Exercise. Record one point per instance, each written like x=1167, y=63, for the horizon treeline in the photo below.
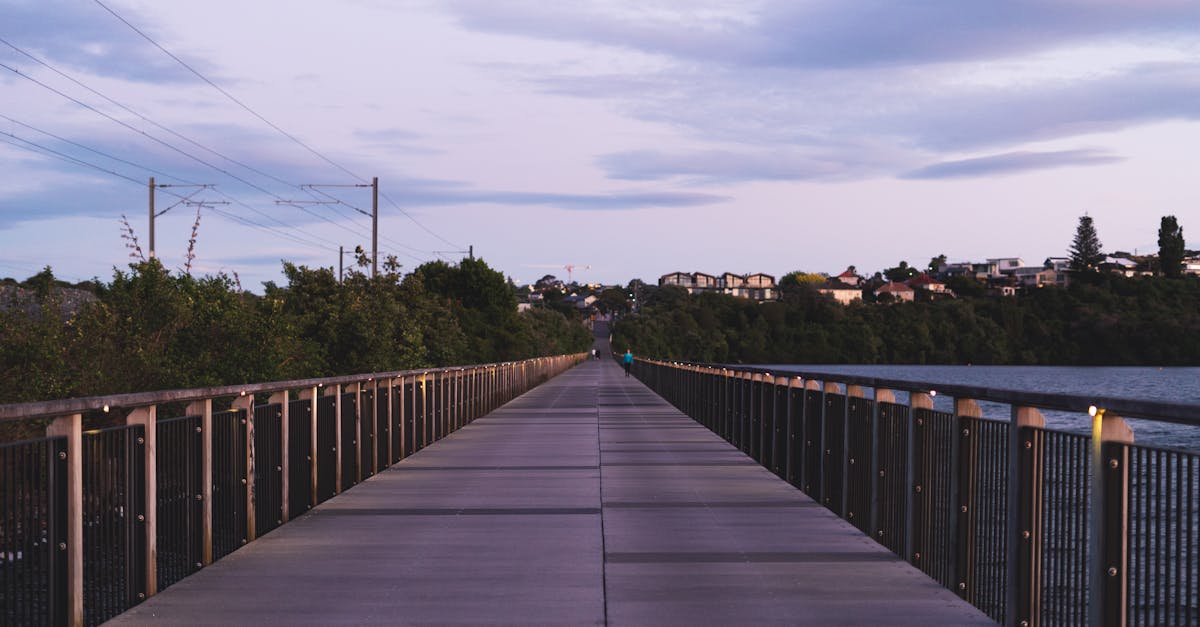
x=149, y=329
x=1099, y=320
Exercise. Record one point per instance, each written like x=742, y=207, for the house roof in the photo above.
x=847, y=275
x=832, y=285
x=892, y=288
x=923, y=280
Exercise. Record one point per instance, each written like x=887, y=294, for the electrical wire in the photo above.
x=141, y=116
x=268, y=122
x=98, y=152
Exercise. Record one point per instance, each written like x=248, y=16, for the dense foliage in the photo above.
x=150, y=329
x=1100, y=320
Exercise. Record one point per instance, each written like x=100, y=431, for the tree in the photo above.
x=1085, y=249
x=1170, y=247
x=902, y=272
x=936, y=263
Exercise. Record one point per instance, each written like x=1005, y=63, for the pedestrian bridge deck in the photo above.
x=588, y=500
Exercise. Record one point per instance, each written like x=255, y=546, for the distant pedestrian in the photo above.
x=627, y=360
x=595, y=355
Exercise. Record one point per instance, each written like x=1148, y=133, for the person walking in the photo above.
x=627, y=360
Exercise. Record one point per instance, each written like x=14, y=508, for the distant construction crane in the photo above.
x=569, y=267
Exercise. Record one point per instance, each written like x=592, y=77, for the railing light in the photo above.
x=933, y=392
x=1092, y=411
x=106, y=409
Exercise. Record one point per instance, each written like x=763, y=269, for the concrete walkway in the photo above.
x=588, y=500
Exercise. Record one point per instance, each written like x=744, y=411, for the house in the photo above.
x=682, y=279
x=757, y=286
x=928, y=284
x=1191, y=266
x=841, y=291
x=849, y=277
x=701, y=281
x=1006, y=266
x=897, y=291
x=1035, y=277
x=1119, y=265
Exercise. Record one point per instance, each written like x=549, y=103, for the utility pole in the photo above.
x=186, y=200
x=374, y=226
x=374, y=215
x=152, y=217
x=341, y=256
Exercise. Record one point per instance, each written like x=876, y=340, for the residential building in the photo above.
x=757, y=286
x=926, y=283
x=850, y=278
x=841, y=291
x=1006, y=265
x=898, y=291
x=1035, y=277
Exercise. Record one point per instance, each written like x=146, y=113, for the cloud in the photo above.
x=1012, y=163
x=85, y=37
x=998, y=116
x=579, y=202
x=831, y=33
x=715, y=167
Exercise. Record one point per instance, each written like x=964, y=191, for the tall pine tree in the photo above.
x=1170, y=247
x=1086, y=255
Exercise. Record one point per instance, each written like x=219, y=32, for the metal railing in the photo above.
x=1032, y=525
x=91, y=523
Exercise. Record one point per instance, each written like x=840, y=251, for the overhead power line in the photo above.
x=227, y=94
x=269, y=123
x=139, y=115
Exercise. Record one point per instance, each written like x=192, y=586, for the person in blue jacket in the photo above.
x=627, y=360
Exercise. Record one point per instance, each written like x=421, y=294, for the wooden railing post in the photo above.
x=1109, y=516
x=204, y=410
x=283, y=399
x=312, y=394
x=246, y=403
x=1025, y=470
x=964, y=481
x=71, y=428
x=878, y=472
x=916, y=427
x=148, y=418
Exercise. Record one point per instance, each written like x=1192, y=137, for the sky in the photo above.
x=625, y=138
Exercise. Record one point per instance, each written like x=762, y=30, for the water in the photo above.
x=1176, y=385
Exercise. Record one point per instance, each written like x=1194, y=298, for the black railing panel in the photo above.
x=268, y=467
x=33, y=502
x=779, y=431
x=812, y=444
x=300, y=494
x=891, y=474
x=1061, y=491
x=327, y=453
x=366, y=448
x=229, y=531
x=114, y=527
x=179, y=478
x=982, y=537
x=796, y=448
x=1163, y=574
x=858, y=463
x=349, y=452
x=934, y=437
x=833, y=451
x=382, y=420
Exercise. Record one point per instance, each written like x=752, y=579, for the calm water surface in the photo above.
x=1176, y=385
